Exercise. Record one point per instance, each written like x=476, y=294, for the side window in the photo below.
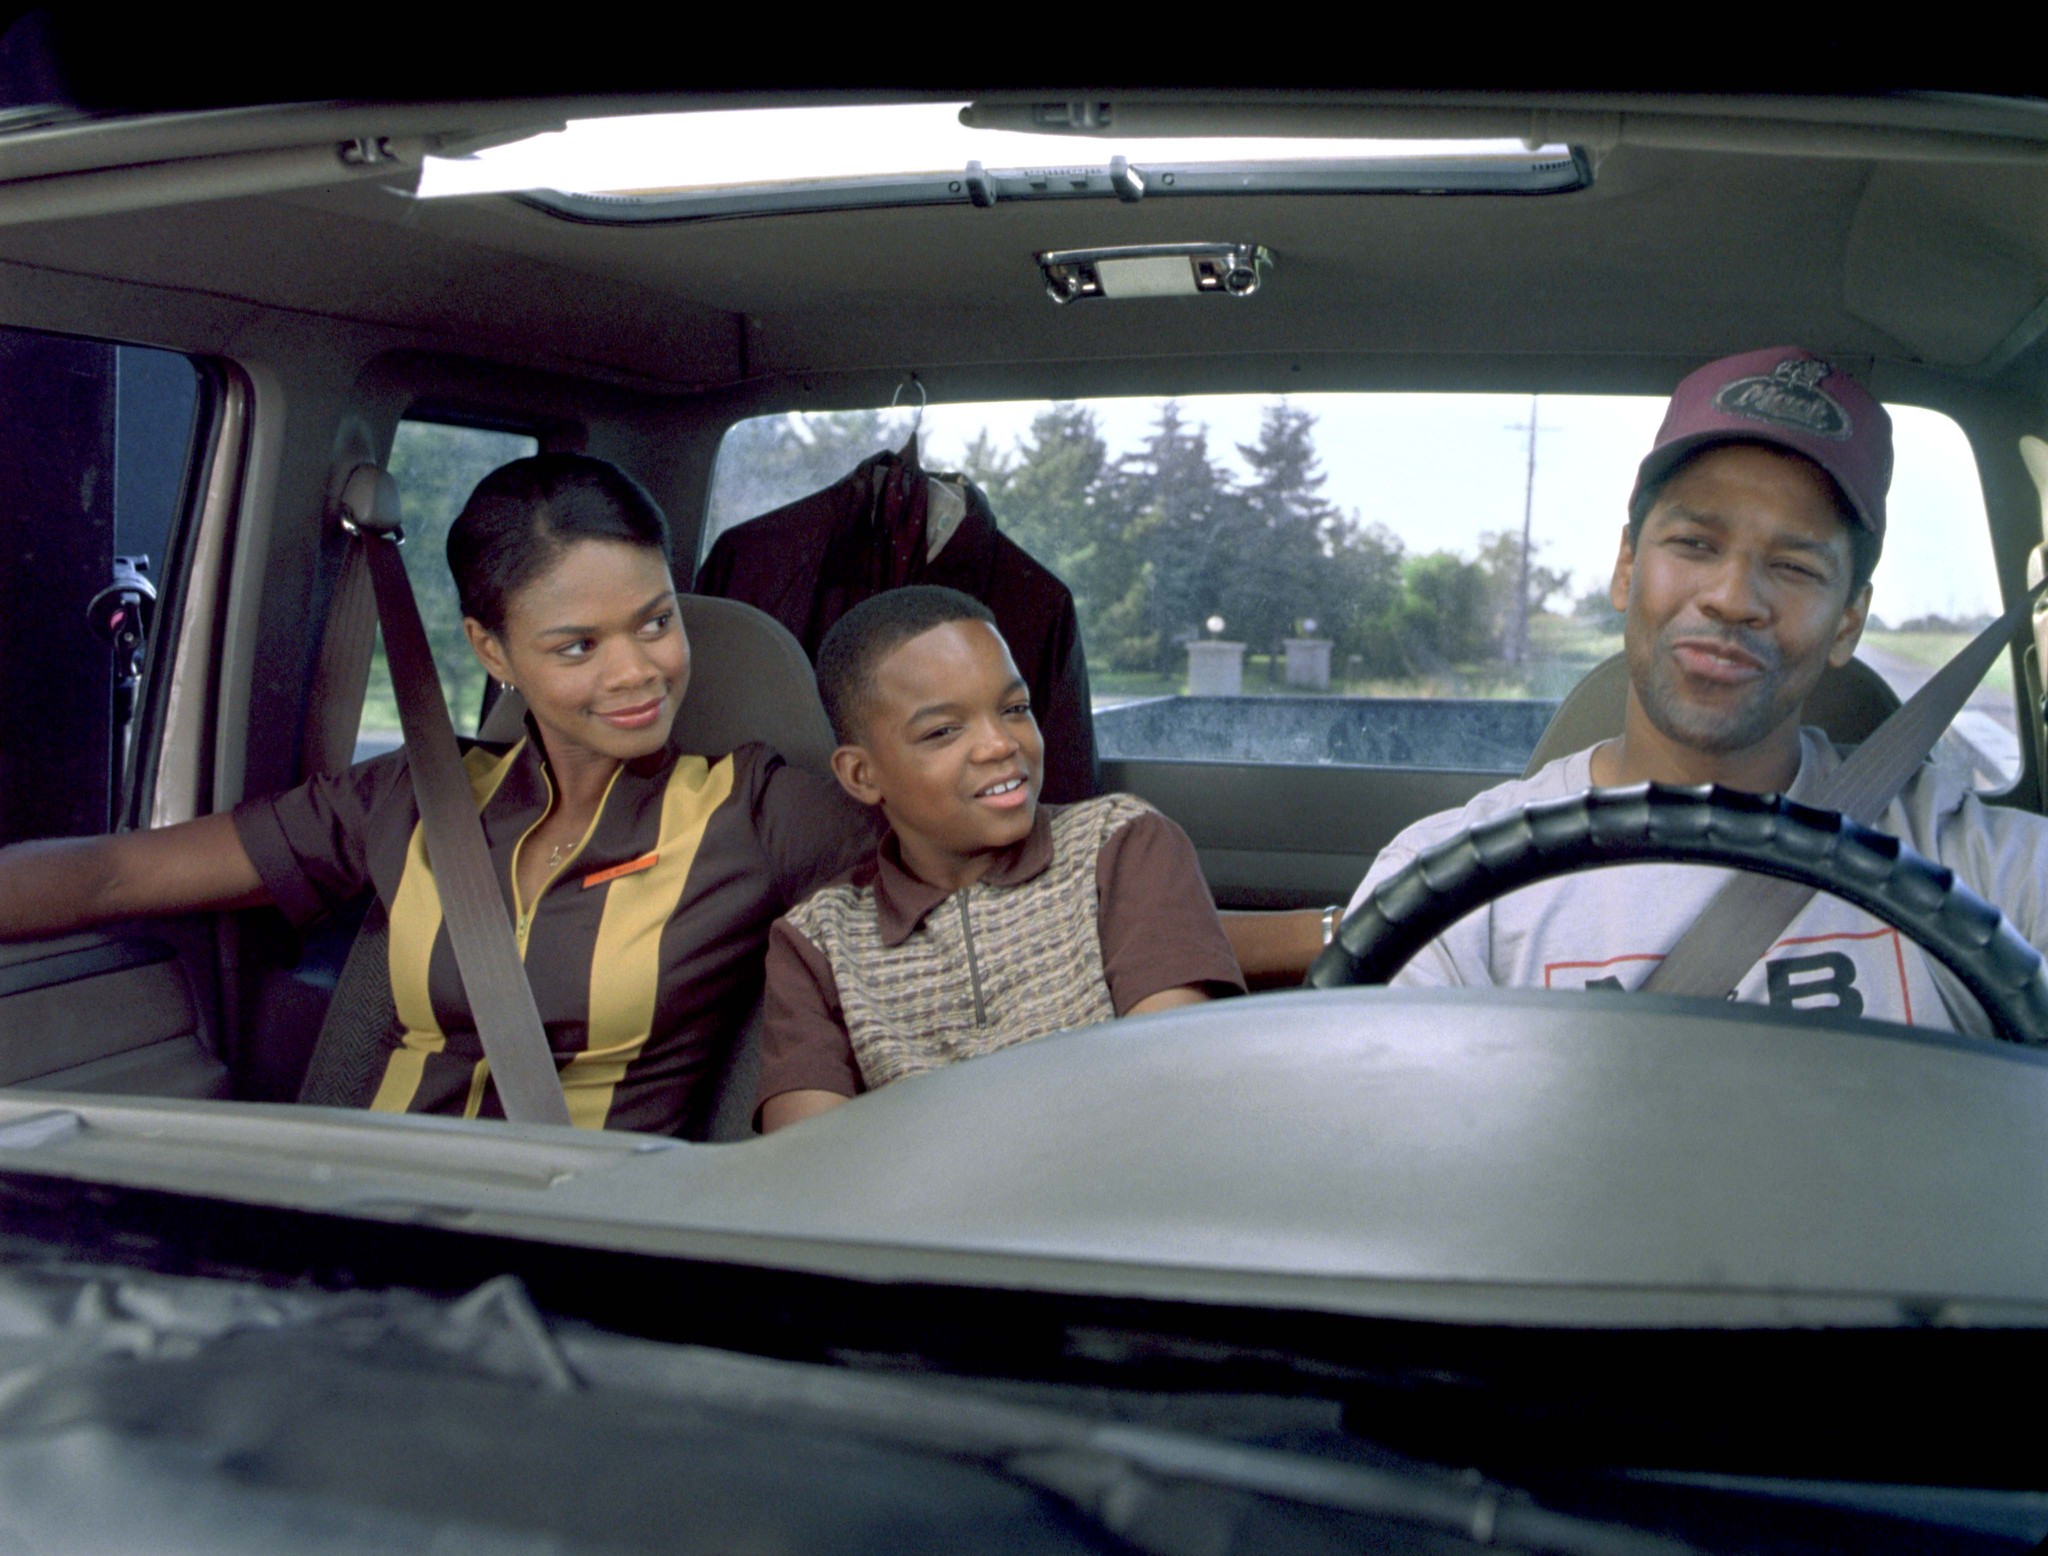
x=1385, y=580
x=96, y=439
x=436, y=464
x=1936, y=587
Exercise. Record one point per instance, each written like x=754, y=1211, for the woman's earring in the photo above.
x=506, y=686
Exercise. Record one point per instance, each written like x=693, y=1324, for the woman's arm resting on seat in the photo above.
x=57, y=885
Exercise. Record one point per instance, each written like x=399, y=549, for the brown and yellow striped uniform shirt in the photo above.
x=644, y=949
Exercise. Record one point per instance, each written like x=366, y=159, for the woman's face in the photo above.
x=596, y=645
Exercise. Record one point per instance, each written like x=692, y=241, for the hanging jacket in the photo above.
x=809, y=563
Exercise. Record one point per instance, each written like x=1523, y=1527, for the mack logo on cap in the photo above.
x=1790, y=397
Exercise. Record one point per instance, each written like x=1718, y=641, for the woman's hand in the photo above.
x=56, y=886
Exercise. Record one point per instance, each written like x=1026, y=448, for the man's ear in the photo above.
x=1624, y=572
x=1849, y=632
x=855, y=770
x=488, y=650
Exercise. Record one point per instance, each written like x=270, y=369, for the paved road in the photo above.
x=1988, y=726
x=1906, y=678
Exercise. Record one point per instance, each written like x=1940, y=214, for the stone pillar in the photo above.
x=1308, y=663
x=1215, y=669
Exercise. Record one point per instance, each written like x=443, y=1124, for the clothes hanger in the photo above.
x=909, y=454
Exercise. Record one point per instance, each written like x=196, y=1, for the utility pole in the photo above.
x=1517, y=645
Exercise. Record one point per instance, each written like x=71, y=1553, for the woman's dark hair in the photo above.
x=524, y=515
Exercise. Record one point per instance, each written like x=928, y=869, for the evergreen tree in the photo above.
x=989, y=468
x=1050, y=490
x=1177, y=506
x=1060, y=501
x=1284, y=540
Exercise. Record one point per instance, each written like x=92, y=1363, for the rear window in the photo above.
x=1406, y=580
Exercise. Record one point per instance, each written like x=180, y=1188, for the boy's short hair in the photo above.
x=866, y=635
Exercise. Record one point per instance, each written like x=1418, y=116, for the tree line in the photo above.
x=1157, y=539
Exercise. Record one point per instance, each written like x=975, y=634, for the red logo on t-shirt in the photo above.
x=1845, y=971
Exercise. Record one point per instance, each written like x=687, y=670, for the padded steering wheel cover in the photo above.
x=1659, y=823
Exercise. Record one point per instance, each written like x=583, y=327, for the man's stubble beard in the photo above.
x=1759, y=709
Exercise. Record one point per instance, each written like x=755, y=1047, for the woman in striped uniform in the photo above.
x=640, y=880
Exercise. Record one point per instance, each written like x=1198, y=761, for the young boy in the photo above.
x=983, y=919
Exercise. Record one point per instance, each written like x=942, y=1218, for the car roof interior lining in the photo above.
x=690, y=306
x=709, y=304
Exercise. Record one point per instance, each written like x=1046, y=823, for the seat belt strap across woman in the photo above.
x=508, y=1023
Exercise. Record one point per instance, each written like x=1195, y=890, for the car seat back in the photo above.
x=1848, y=703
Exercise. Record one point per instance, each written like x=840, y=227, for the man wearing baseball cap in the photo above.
x=1744, y=572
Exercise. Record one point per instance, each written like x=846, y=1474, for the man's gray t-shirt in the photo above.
x=1609, y=927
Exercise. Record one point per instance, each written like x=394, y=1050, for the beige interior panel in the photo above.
x=177, y=1067
x=1272, y=836
x=81, y=1020
x=1948, y=260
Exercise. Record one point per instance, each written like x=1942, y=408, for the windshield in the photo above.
x=1407, y=517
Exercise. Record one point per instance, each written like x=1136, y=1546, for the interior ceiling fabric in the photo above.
x=1860, y=257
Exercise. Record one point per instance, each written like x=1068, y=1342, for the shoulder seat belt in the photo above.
x=500, y=999
x=1749, y=913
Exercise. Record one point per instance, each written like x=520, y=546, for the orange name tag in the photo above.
x=630, y=867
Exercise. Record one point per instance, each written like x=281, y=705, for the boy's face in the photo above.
x=949, y=750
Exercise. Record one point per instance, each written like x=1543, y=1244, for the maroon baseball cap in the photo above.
x=1787, y=396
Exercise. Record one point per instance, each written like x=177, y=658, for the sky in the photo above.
x=1440, y=470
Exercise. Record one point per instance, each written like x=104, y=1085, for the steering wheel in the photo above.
x=1706, y=825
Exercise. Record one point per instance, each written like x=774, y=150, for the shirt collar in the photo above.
x=652, y=765
x=903, y=901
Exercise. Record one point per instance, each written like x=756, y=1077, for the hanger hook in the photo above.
x=917, y=417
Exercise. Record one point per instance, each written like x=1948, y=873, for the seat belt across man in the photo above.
x=1750, y=912
x=508, y=1024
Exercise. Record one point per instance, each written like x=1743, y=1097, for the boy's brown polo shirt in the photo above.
x=644, y=949
x=881, y=975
